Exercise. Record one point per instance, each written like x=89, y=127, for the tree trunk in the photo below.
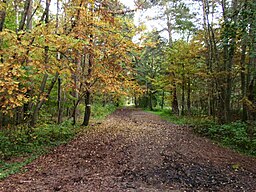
x=188, y=97
x=251, y=79
x=59, y=102
x=58, y=56
x=229, y=47
x=183, y=91
x=175, y=105
x=150, y=101
x=75, y=95
x=136, y=101
x=2, y=16
x=41, y=101
x=24, y=15
x=87, y=111
x=2, y=20
x=243, y=81
x=29, y=16
x=212, y=58
x=162, y=103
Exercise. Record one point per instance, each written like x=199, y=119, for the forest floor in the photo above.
x=136, y=151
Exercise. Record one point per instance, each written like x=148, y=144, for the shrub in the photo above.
x=234, y=135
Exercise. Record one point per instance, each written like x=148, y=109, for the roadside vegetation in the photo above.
x=238, y=135
x=20, y=147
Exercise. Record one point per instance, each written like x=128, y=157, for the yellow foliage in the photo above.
x=89, y=30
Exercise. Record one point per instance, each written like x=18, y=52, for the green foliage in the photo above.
x=195, y=121
x=28, y=144
x=237, y=135
x=100, y=112
x=7, y=169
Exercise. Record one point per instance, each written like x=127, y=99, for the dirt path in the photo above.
x=136, y=151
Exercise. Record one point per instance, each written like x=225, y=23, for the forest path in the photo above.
x=136, y=151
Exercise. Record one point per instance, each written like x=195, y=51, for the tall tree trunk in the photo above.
x=229, y=47
x=243, y=81
x=189, y=97
x=41, y=101
x=2, y=20
x=75, y=95
x=212, y=57
x=162, y=103
x=136, y=101
x=150, y=100
x=29, y=21
x=251, y=79
x=59, y=102
x=87, y=111
x=183, y=91
x=58, y=56
x=24, y=15
x=175, y=105
x=2, y=15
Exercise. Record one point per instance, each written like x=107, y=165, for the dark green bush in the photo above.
x=235, y=135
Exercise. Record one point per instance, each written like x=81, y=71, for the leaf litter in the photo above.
x=136, y=151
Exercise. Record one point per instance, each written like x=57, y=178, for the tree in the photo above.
x=149, y=66
x=184, y=61
x=90, y=48
x=177, y=17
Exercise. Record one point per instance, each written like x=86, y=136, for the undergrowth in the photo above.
x=21, y=145
x=100, y=112
x=238, y=135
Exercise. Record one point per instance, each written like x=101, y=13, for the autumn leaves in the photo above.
x=84, y=45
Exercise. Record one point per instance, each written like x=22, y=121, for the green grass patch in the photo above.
x=7, y=169
x=27, y=144
x=239, y=136
x=99, y=112
x=183, y=120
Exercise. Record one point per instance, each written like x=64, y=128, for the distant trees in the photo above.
x=150, y=67
x=213, y=70
x=177, y=18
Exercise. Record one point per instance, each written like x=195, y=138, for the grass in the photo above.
x=21, y=146
x=183, y=120
x=27, y=145
x=99, y=112
x=238, y=135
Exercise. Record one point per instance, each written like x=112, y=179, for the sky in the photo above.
x=128, y=3
x=142, y=17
